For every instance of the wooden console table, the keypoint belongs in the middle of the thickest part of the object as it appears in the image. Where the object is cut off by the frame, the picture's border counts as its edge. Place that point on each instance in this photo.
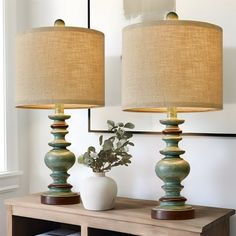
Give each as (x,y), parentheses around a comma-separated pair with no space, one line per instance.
(26,216)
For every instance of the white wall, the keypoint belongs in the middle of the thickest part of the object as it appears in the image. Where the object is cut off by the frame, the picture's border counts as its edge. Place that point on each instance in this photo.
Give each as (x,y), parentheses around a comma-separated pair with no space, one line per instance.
(212,160)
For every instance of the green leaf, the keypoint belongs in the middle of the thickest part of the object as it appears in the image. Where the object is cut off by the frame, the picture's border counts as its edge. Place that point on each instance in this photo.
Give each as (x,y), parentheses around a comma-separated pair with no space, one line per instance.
(88,161)
(81,159)
(114,150)
(128,135)
(114,129)
(120,133)
(112,138)
(108,145)
(119,144)
(91,149)
(110,124)
(129,125)
(120,124)
(86,156)
(101,139)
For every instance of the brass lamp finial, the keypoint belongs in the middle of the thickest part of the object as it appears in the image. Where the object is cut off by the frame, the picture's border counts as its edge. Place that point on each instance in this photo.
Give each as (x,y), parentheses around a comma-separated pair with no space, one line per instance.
(172,16)
(59,23)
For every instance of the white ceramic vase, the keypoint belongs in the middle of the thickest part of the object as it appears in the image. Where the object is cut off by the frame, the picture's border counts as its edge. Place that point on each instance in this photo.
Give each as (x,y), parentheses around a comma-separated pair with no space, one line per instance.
(98,192)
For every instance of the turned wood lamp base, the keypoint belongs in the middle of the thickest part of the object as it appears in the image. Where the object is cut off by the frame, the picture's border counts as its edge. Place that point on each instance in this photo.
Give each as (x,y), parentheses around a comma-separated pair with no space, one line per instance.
(183,213)
(173,209)
(172,169)
(60,200)
(59,159)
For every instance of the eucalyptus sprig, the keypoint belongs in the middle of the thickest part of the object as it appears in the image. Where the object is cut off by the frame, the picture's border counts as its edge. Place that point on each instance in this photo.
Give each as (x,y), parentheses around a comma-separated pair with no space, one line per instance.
(114,150)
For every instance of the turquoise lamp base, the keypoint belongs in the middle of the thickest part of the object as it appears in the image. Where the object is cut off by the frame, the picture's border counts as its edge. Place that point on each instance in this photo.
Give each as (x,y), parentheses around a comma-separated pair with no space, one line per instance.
(172,169)
(59,160)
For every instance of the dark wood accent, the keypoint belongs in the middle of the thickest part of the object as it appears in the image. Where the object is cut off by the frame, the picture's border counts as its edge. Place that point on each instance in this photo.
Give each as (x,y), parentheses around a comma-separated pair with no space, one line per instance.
(172,131)
(49,200)
(58,125)
(60,186)
(168,199)
(172,215)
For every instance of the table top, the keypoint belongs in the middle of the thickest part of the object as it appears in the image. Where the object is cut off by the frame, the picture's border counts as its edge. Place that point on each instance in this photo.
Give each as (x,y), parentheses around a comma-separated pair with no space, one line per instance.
(131,210)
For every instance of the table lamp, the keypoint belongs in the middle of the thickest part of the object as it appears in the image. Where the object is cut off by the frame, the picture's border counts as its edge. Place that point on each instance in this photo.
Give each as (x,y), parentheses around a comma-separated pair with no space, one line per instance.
(60,67)
(172,66)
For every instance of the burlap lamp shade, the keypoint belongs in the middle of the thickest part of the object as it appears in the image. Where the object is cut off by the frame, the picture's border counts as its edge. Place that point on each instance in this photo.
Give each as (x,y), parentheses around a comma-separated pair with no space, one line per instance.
(172,63)
(172,66)
(60,65)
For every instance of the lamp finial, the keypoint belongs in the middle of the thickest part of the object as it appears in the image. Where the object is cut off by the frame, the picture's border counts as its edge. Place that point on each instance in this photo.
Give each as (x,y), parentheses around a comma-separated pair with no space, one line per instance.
(59,23)
(172,16)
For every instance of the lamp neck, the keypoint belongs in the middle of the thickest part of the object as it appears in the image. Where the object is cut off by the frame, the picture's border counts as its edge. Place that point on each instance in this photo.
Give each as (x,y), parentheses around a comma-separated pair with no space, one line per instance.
(59,108)
(172,113)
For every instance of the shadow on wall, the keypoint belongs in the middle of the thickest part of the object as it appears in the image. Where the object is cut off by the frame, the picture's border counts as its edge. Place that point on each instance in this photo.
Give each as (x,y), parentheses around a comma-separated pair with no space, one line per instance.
(229,80)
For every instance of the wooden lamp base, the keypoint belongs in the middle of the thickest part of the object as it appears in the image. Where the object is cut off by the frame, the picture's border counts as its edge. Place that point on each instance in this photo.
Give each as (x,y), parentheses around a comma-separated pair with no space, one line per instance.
(182,213)
(72,198)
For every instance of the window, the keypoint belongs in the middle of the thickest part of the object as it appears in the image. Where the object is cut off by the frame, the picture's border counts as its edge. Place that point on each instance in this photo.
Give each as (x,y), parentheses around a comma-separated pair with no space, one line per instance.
(9,169)
(2,91)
